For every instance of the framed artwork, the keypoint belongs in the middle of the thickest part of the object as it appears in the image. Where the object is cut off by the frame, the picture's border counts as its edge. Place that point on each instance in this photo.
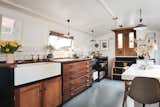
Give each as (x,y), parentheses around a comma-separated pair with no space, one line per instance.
(104,44)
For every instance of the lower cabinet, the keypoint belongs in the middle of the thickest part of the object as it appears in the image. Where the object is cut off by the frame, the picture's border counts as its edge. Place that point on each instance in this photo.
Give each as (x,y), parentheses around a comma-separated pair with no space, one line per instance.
(52,93)
(77,76)
(29,96)
(44,94)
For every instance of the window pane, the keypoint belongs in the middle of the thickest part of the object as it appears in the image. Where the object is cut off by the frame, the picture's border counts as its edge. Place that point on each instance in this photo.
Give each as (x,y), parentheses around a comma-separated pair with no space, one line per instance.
(120,40)
(131,40)
(7,25)
(60,43)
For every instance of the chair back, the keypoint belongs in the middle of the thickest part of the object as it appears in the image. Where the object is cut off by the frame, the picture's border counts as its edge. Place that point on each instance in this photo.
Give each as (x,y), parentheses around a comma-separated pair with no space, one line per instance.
(145,90)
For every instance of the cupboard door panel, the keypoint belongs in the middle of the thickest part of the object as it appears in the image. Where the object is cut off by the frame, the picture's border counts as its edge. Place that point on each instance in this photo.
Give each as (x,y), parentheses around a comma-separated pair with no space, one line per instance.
(119,43)
(29,96)
(52,92)
(130,44)
(125,42)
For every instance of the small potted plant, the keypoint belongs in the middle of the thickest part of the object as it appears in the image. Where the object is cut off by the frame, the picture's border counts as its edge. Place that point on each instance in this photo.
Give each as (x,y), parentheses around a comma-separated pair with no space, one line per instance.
(9,48)
(50,50)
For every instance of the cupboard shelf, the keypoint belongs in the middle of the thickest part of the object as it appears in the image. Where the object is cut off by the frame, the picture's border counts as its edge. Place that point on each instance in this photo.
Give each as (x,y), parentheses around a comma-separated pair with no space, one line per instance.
(120,64)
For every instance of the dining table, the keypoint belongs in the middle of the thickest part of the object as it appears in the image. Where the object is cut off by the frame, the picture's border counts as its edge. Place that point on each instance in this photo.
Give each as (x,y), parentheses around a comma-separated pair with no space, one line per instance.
(137,70)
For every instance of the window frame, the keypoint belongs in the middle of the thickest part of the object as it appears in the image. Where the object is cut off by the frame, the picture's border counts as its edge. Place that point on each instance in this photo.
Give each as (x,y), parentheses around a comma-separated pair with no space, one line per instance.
(119,39)
(13,27)
(61,35)
(132,41)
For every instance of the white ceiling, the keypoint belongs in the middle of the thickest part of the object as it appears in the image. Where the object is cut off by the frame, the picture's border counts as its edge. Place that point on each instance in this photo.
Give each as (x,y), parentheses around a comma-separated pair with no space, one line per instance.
(90,14)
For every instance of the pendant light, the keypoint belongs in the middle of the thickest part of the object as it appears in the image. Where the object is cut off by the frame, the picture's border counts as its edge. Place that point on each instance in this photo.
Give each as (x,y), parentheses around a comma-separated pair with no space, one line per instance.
(92,40)
(68,28)
(140,25)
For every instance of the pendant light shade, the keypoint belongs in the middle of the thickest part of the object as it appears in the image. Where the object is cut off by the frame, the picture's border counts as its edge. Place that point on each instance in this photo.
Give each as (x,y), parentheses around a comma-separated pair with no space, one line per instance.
(68,28)
(92,40)
(68,21)
(140,25)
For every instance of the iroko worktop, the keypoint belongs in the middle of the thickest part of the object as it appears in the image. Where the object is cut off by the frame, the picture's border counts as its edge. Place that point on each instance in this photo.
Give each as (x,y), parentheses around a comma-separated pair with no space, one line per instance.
(60,60)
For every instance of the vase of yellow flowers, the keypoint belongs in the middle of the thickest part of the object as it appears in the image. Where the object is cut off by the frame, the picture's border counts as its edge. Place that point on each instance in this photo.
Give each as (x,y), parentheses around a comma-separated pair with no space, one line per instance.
(9,48)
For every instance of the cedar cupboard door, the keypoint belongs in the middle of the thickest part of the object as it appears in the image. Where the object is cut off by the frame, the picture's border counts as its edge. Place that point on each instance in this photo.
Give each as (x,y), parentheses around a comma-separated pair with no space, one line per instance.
(130,44)
(52,92)
(29,96)
(125,42)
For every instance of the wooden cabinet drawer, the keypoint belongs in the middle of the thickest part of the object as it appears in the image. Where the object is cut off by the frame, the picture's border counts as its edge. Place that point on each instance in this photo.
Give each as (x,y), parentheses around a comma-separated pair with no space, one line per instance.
(78,90)
(74,83)
(74,75)
(71,93)
(68,66)
(73,65)
(74,70)
(78,82)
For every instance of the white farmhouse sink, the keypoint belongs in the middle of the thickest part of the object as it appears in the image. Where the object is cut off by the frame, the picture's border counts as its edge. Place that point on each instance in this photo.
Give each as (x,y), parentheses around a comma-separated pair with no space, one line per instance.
(26,73)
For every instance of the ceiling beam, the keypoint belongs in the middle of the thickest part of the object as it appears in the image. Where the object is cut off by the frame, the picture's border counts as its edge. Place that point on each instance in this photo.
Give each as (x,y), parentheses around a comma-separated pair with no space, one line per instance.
(107,8)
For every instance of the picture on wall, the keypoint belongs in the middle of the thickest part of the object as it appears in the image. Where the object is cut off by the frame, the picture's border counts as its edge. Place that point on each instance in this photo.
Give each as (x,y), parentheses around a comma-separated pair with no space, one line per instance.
(104,44)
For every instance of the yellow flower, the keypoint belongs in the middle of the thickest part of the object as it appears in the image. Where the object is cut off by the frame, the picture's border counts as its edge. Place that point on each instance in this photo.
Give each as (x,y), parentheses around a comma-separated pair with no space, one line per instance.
(14,44)
(3,43)
(7,49)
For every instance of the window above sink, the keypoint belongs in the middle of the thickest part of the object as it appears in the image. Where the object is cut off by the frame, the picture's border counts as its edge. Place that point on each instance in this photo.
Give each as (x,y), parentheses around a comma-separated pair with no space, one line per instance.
(60,42)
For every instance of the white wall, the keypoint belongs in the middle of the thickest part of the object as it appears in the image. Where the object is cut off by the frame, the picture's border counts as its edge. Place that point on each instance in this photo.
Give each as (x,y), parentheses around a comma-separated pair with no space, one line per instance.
(154,54)
(110,52)
(34,30)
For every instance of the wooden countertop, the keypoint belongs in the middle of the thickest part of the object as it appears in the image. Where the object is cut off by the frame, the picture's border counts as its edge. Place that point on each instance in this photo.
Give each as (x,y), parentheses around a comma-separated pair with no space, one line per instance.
(4,65)
(58,60)
(68,60)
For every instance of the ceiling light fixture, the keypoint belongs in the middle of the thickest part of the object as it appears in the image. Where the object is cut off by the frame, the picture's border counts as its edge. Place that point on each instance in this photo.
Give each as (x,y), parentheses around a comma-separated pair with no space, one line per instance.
(68,21)
(68,28)
(92,40)
(115,18)
(140,25)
